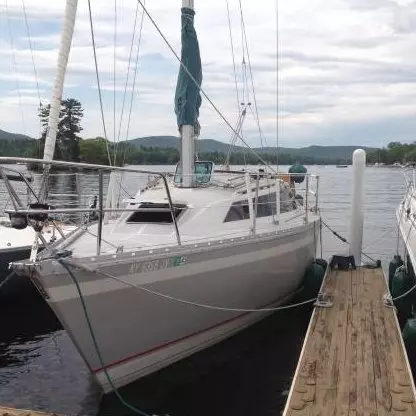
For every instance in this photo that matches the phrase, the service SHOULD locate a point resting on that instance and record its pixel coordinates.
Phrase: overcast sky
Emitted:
(347, 68)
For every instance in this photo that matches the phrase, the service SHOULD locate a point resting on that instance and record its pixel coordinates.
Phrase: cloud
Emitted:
(347, 71)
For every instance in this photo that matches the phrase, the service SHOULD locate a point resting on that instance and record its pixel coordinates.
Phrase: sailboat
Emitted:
(194, 258)
(405, 215)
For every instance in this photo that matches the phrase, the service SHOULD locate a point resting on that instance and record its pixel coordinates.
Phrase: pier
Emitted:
(353, 361)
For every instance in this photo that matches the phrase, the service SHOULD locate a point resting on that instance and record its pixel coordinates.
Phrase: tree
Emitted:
(69, 125)
(94, 151)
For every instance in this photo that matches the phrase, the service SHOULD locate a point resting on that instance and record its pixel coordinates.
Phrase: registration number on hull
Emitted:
(158, 264)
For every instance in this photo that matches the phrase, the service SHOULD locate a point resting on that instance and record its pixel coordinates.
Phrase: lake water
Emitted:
(249, 374)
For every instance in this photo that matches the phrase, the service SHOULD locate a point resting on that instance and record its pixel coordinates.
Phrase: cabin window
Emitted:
(159, 213)
(238, 211)
(266, 207)
(202, 172)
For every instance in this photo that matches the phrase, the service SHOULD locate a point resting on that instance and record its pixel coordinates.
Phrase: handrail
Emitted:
(27, 160)
(24, 179)
(255, 181)
(100, 168)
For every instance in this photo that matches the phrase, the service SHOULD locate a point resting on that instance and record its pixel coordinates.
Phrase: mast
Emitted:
(187, 97)
(64, 48)
(187, 136)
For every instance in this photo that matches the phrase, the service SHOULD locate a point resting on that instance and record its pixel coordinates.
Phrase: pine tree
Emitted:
(67, 139)
(69, 127)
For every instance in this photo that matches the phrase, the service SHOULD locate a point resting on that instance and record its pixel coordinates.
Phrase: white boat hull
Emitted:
(139, 332)
(406, 220)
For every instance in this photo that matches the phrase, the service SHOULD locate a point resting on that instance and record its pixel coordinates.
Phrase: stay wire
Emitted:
(134, 82)
(233, 56)
(98, 81)
(221, 115)
(262, 138)
(16, 71)
(128, 74)
(277, 89)
(29, 37)
(114, 83)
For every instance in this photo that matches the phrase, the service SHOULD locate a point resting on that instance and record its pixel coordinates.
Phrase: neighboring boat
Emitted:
(16, 244)
(193, 258)
(342, 166)
(396, 165)
(406, 216)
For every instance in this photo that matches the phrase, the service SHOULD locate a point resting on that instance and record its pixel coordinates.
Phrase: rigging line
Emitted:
(98, 81)
(29, 37)
(233, 55)
(244, 81)
(128, 74)
(90, 327)
(217, 110)
(31, 50)
(134, 80)
(16, 71)
(262, 138)
(84, 267)
(114, 81)
(243, 65)
(277, 88)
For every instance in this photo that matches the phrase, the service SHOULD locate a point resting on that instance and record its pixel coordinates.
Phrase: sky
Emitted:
(346, 68)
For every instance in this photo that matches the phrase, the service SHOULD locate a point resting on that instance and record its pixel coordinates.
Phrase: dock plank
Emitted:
(353, 361)
(8, 411)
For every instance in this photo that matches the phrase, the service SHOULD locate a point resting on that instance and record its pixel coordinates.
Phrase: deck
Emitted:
(353, 361)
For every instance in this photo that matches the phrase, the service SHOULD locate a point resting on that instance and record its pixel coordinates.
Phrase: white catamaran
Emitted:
(192, 259)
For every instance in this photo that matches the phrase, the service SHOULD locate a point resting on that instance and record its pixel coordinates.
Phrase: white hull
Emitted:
(407, 225)
(139, 332)
(141, 366)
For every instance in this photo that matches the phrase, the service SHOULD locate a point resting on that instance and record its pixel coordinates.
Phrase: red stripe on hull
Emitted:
(167, 344)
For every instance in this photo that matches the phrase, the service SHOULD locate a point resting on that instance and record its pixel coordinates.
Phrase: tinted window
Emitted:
(202, 170)
(266, 207)
(238, 211)
(155, 213)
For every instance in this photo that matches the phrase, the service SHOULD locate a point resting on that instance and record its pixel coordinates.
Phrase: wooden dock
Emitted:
(6, 411)
(353, 360)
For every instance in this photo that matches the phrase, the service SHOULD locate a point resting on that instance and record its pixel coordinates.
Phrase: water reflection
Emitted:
(29, 320)
(39, 366)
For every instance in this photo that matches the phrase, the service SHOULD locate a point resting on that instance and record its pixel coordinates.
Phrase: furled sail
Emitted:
(187, 96)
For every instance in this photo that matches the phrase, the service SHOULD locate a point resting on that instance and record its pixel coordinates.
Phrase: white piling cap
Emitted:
(358, 156)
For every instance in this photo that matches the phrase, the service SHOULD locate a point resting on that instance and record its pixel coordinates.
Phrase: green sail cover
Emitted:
(187, 96)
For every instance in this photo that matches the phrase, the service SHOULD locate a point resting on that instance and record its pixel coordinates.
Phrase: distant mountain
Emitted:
(205, 146)
(16, 145)
(19, 144)
(5, 135)
(210, 145)
(324, 152)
